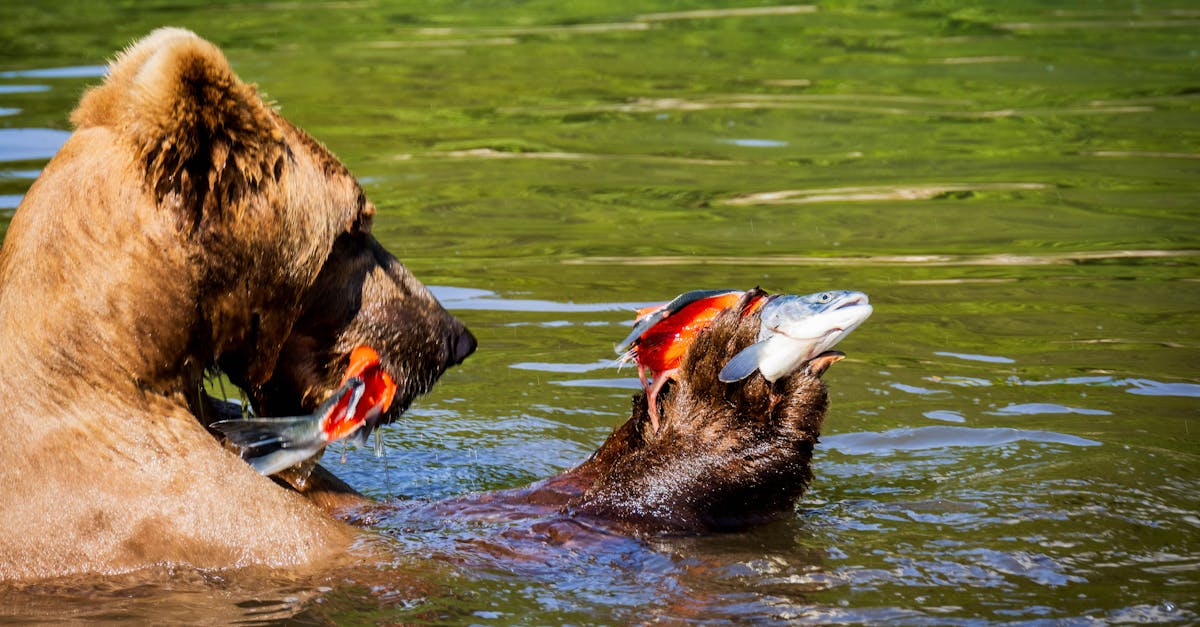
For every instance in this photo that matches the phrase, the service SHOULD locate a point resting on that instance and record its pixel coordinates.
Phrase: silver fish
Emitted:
(272, 445)
(794, 330)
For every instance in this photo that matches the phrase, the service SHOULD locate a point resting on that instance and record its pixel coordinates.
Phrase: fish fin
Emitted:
(273, 444)
(743, 364)
(281, 459)
(360, 435)
(256, 433)
(658, 315)
(687, 298)
(643, 324)
(287, 431)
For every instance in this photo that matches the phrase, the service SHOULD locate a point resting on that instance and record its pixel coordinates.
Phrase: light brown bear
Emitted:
(184, 226)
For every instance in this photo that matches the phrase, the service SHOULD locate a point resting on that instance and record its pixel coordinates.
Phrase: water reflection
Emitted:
(1029, 409)
(939, 437)
(991, 455)
(1065, 258)
(466, 299)
(571, 368)
(1146, 387)
(26, 144)
(22, 89)
(75, 71)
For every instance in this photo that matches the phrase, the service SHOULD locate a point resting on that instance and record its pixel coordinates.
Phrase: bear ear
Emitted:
(207, 143)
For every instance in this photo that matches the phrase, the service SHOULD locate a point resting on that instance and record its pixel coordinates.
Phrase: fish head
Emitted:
(814, 315)
(816, 322)
(796, 329)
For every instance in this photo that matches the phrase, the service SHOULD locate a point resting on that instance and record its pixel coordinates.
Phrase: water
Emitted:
(1013, 437)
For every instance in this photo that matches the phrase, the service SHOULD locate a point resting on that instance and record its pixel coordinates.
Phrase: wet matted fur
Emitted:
(184, 226)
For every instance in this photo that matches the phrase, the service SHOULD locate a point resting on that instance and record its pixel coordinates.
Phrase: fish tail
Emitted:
(273, 444)
(280, 460)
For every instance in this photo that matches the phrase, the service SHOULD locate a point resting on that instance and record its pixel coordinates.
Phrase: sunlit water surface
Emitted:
(1013, 438)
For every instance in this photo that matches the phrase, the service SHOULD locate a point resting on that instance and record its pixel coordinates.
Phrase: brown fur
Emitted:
(185, 225)
(725, 457)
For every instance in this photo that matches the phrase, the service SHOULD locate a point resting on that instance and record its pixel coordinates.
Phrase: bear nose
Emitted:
(462, 346)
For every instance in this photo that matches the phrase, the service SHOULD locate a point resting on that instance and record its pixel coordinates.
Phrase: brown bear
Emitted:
(185, 227)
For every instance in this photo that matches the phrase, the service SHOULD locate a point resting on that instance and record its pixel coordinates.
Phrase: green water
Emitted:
(1013, 437)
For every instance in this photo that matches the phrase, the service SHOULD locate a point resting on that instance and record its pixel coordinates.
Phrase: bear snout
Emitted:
(461, 346)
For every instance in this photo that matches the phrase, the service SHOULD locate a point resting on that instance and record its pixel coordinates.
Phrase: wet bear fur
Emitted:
(184, 227)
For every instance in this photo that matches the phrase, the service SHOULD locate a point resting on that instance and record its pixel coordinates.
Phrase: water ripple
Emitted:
(74, 71)
(10, 201)
(1098, 24)
(944, 415)
(463, 298)
(565, 368)
(991, 359)
(876, 193)
(622, 383)
(20, 174)
(842, 103)
(1139, 386)
(912, 389)
(444, 43)
(982, 568)
(22, 89)
(1032, 409)
(557, 155)
(933, 437)
(702, 14)
(23, 144)
(960, 381)
(755, 143)
(930, 260)
(1147, 387)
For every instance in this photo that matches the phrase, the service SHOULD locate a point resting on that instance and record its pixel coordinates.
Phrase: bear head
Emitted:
(271, 233)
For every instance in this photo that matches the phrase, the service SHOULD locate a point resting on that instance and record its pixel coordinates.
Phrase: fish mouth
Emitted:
(852, 313)
(856, 299)
(840, 316)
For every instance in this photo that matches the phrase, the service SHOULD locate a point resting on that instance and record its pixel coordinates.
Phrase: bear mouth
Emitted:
(279, 415)
(304, 379)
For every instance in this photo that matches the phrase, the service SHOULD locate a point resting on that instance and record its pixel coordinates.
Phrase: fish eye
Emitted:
(825, 297)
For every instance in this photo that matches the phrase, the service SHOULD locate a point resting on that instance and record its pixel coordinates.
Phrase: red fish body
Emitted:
(662, 333)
